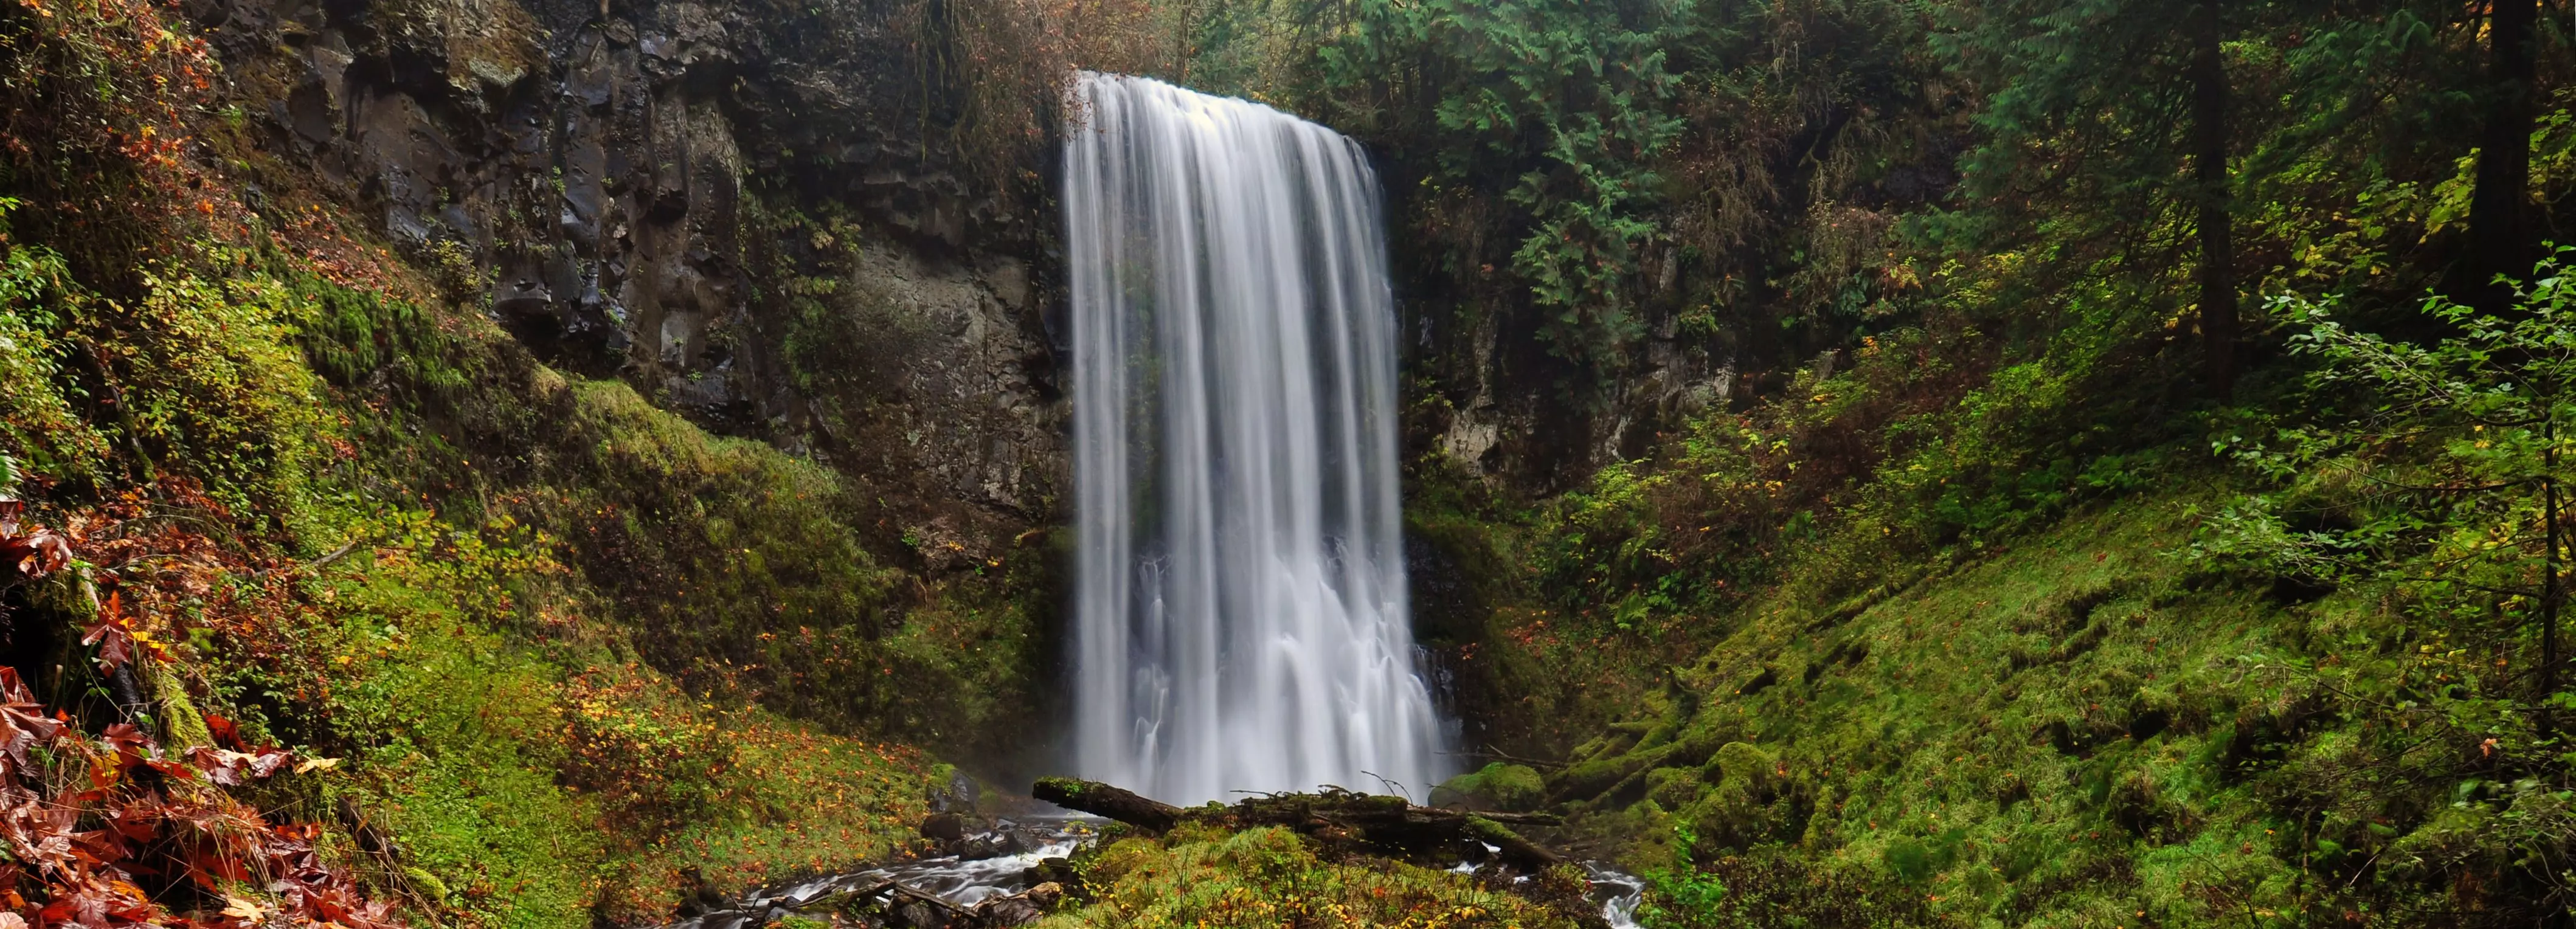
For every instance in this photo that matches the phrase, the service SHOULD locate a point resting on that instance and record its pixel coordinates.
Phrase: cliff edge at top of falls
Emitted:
(759, 215)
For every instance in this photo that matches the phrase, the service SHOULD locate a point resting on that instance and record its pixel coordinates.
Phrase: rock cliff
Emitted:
(752, 212)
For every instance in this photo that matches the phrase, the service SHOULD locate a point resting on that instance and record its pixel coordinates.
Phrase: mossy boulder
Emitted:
(1673, 788)
(1508, 787)
(1745, 764)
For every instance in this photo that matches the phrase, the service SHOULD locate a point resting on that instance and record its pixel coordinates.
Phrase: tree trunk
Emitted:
(2499, 224)
(2217, 239)
(2550, 588)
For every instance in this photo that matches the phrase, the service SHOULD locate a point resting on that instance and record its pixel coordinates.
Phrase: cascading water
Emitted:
(1240, 620)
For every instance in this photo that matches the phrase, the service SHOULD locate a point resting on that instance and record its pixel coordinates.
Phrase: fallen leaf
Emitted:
(236, 908)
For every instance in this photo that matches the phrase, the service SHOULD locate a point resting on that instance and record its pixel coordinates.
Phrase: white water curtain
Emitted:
(1240, 619)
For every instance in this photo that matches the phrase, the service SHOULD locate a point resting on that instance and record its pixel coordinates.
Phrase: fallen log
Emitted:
(1109, 801)
(1386, 824)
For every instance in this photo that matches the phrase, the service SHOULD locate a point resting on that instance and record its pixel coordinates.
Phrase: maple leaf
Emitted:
(36, 554)
(174, 770)
(13, 690)
(111, 634)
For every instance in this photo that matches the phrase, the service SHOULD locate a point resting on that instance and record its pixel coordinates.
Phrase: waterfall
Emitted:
(1239, 616)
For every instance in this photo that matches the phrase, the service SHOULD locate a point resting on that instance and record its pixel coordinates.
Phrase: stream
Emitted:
(1008, 861)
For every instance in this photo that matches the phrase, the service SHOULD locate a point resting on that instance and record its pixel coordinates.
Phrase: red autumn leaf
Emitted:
(126, 737)
(34, 553)
(114, 640)
(268, 760)
(226, 732)
(23, 722)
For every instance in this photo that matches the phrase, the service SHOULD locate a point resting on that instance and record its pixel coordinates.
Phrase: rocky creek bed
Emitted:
(1011, 871)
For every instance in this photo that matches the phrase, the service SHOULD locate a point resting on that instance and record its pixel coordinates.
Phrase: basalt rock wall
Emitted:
(750, 211)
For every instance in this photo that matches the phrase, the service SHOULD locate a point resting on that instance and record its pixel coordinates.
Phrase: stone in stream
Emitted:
(944, 828)
(986, 845)
(917, 915)
(1022, 908)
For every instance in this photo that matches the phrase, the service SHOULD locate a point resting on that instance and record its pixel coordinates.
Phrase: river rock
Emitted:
(986, 845)
(914, 914)
(1022, 908)
(944, 828)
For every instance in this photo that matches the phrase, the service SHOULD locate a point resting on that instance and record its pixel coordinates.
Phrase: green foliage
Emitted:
(454, 733)
(199, 376)
(2432, 474)
(206, 374)
(1554, 107)
(2448, 463)
(44, 430)
(1679, 894)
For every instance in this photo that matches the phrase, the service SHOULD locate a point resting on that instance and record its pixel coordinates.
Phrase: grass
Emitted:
(2054, 735)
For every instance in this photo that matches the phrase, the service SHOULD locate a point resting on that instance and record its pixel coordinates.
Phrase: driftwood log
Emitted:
(1387, 824)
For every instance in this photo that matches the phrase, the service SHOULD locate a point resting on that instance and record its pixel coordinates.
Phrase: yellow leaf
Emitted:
(239, 908)
(314, 763)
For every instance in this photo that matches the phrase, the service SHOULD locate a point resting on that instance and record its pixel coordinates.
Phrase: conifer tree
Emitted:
(2499, 232)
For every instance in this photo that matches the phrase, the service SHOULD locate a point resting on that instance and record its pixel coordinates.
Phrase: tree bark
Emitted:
(2550, 588)
(2218, 323)
(2499, 223)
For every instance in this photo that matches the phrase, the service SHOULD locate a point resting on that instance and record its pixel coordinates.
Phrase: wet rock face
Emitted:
(607, 179)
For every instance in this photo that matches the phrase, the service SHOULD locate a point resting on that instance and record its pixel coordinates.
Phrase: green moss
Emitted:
(1496, 786)
(463, 772)
(2051, 733)
(1198, 876)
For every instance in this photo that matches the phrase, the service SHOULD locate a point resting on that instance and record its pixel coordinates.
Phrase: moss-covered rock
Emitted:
(1673, 788)
(1197, 875)
(1497, 786)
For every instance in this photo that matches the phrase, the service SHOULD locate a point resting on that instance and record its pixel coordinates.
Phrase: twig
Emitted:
(336, 554)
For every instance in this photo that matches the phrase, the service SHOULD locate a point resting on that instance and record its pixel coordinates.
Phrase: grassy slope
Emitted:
(2081, 729)
(517, 752)
(517, 546)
